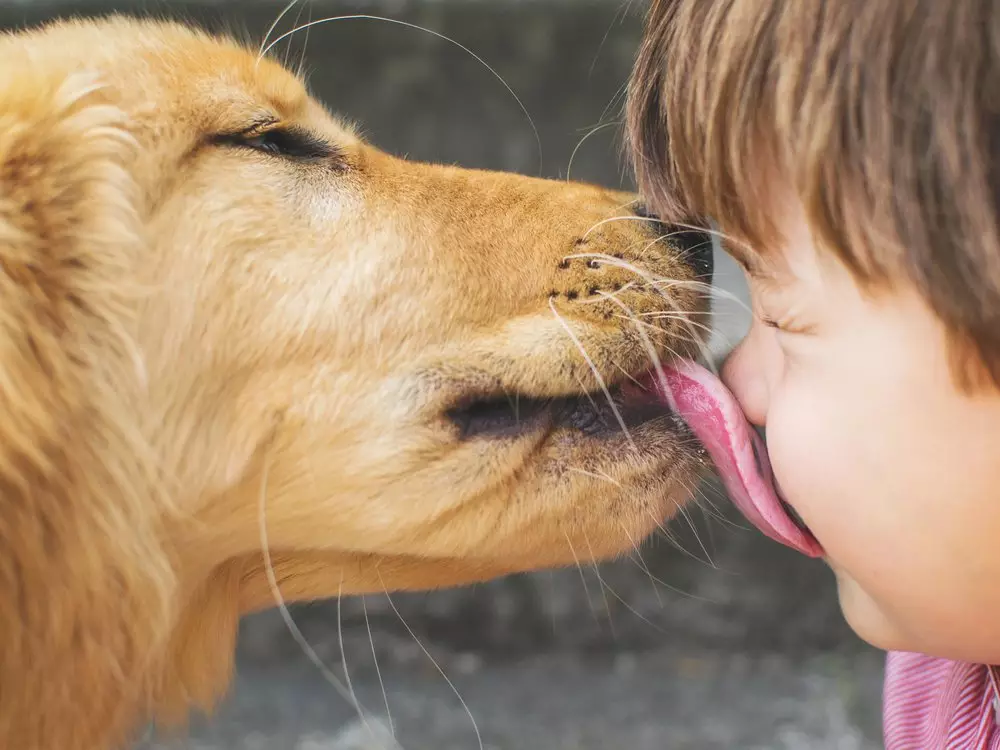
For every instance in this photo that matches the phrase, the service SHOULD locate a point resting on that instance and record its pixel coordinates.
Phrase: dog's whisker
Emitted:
(705, 502)
(673, 315)
(671, 335)
(614, 219)
(264, 42)
(604, 39)
(661, 333)
(702, 499)
(465, 706)
(396, 746)
(343, 658)
(286, 57)
(597, 375)
(659, 581)
(378, 669)
(286, 615)
(629, 285)
(650, 349)
(654, 358)
(417, 27)
(593, 131)
(708, 290)
(650, 278)
(604, 587)
(300, 69)
(628, 376)
(624, 603)
(637, 613)
(642, 562)
(596, 475)
(682, 509)
(648, 326)
(669, 535)
(719, 235)
(614, 98)
(552, 598)
(586, 394)
(709, 509)
(583, 578)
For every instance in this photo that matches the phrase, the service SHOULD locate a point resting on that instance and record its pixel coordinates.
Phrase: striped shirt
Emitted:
(936, 704)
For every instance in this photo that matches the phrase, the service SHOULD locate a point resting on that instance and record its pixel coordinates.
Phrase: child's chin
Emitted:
(865, 616)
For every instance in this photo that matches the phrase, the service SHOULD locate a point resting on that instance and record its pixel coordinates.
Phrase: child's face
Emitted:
(895, 471)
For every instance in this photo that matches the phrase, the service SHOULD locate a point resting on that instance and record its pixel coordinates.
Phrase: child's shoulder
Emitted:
(930, 702)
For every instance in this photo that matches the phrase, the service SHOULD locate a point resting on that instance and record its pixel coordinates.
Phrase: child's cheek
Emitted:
(812, 454)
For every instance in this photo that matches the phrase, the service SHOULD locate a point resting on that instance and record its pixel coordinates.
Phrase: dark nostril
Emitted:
(655, 224)
(642, 211)
(695, 244)
(698, 250)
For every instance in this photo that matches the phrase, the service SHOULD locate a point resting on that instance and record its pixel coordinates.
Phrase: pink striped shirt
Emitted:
(936, 704)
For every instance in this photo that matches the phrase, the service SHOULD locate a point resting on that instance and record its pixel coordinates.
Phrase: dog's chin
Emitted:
(605, 468)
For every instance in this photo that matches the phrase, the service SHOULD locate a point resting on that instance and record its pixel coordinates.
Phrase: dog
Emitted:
(244, 354)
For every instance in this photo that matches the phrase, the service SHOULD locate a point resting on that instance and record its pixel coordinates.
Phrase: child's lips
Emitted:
(794, 515)
(740, 455)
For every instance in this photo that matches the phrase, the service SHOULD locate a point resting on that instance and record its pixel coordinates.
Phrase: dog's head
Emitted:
(233, 325)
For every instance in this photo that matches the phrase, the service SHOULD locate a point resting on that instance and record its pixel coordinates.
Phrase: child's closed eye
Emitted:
(785, 324)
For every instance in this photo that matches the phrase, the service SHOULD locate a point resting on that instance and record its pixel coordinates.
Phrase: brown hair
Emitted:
(883, 116)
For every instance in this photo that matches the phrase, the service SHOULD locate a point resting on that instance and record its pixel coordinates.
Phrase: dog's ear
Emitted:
(85, 584)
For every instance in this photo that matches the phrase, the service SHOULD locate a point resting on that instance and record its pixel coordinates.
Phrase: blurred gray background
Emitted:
(716, 638)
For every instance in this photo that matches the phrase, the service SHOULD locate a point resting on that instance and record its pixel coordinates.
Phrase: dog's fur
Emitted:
(202, 342)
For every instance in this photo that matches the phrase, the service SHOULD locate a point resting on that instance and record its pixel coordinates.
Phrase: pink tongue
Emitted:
(739, 454)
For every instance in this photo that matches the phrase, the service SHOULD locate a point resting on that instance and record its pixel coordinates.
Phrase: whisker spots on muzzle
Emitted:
(651, 352)
(674, 314)
(597, 375)
(596, 297)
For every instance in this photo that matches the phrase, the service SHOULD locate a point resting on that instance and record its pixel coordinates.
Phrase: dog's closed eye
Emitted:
(287, 142)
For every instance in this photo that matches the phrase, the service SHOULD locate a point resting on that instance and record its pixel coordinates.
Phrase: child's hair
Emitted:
(883, 117)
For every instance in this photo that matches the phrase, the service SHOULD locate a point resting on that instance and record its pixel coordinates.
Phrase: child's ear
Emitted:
(85, 585)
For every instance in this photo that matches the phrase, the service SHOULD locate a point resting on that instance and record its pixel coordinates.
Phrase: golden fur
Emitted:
(203, 341)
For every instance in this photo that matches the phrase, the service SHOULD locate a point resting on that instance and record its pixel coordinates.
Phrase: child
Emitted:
(849, 152)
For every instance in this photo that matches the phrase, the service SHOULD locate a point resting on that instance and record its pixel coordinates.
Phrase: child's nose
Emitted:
(748, 382)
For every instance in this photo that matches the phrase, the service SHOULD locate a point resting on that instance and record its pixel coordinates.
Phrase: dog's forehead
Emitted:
(223, 81)
(211, 83)
(218, 86)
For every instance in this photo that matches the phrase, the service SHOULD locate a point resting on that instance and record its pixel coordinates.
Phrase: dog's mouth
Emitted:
(601, 413)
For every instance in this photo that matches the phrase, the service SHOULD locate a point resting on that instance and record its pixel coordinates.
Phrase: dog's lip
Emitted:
(629, 402)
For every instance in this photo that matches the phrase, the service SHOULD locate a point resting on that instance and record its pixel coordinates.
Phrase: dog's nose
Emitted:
(696, 244)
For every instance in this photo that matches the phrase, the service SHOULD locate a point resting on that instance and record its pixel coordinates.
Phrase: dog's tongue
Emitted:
(740, 456)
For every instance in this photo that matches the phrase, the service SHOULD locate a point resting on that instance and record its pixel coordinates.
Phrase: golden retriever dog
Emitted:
(245, 354)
